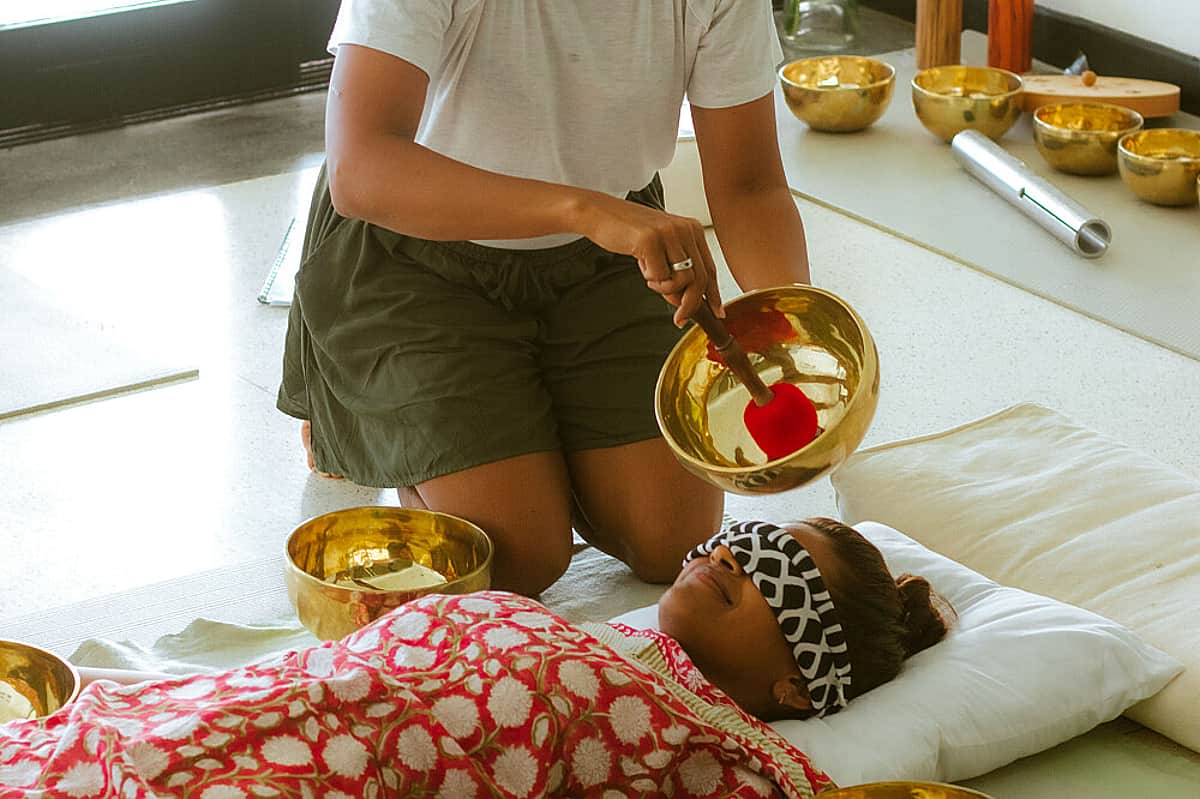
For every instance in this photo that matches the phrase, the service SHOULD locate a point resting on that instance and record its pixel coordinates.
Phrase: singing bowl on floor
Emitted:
(903, 790)
(1161, 166)
(798, 334)
(1081, 138)
(33, 682)
(837, 93)
(337, 562)
(952, 99)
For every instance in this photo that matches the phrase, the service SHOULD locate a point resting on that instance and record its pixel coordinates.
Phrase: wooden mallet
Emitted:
(780, 418)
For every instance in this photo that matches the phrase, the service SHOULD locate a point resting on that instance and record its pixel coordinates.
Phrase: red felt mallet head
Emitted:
(785, 424)
(781, 419)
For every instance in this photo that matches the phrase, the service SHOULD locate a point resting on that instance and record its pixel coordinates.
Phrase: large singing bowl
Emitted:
(798, 334)
(903, 790)
(837, 93)
(33, 682)
(951, 99)
(349, 567)
(1162, 165)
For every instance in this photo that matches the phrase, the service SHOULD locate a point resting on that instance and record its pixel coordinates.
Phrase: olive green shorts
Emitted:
(415, 359)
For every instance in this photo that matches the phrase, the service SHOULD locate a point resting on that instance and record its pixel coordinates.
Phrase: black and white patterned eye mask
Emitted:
(788, 579)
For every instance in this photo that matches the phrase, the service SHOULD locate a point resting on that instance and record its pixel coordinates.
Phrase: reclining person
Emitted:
(491, 694)
(847, 624)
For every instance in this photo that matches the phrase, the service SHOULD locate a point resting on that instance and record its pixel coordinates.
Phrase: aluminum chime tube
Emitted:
(1037, 198)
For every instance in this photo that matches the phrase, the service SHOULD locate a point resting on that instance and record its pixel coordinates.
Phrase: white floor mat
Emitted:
(899, 177)
(50, 357)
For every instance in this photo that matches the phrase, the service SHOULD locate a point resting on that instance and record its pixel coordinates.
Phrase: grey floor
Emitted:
(191, 152)
(161, 233)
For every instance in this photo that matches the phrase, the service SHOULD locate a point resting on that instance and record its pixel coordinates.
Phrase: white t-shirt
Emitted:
(578, 92)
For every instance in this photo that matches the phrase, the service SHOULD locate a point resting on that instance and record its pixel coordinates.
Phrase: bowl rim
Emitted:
(734, 471)
(1132, 156)
(77, 679)
(891, 76)
(990, 98)
(293, 567)
(1040, 124)
(911, 784)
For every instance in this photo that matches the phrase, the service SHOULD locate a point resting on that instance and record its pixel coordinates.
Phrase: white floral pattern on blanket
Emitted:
(480, 695)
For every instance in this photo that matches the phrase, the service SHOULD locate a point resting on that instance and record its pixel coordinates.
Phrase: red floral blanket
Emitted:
(480, 695)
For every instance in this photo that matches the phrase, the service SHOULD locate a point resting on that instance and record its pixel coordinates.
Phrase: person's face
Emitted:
(718, 616)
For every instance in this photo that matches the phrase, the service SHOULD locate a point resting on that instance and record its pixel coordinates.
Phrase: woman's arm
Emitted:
(379, 174)
(752, 208)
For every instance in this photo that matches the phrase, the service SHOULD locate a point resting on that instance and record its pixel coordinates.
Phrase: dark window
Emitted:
(96, 63)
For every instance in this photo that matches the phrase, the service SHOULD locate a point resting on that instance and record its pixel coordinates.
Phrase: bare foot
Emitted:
(306, 437)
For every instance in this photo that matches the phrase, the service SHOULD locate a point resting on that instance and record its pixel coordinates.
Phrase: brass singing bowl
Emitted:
(903, 790)
(837, 93)
(1081, 138)
(34, 682)
(1161, 166)
(829, 354)
(952, 99)
(335, 563)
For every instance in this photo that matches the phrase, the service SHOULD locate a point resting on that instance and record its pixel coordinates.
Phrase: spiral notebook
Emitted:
(281, 278)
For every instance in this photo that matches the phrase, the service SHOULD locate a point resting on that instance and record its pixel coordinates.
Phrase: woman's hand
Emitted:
(657, 240)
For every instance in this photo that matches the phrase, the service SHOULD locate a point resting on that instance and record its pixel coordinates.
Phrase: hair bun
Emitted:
(927, 614)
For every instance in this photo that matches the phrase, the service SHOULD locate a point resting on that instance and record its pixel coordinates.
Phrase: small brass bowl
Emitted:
(34, 682)
(954, 98)
(903, 790)
(349, 567)
(1161, 165)
(1081, 138)
(798, 334)
(837, 93)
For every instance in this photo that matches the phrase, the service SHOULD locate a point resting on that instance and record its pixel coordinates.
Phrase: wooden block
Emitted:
(1150, 98)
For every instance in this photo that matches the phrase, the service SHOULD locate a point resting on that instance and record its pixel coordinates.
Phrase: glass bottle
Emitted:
(818, 25)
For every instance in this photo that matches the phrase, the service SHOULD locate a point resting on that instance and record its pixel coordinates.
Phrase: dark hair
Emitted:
(885, 619)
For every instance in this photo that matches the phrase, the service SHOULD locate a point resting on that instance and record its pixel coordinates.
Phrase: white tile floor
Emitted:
(104, 497)
(110, 496)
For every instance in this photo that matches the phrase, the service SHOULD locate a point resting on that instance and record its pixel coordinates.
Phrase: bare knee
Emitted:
(524, 504)
(527, 557)
(531, 564)
(644, 507)
(654, 567)
(655, 553)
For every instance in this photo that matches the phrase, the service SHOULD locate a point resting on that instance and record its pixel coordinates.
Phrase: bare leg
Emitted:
(306, 438)
(643, 507)
(524, 504)
(410, 498)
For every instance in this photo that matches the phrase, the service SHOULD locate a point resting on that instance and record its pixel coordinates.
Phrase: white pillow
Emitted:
(1019, 673)
(1033, 500)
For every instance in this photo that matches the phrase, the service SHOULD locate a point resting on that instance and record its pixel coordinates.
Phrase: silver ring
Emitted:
(682, 266)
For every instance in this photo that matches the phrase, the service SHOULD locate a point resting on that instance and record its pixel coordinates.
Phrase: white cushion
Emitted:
(1033, 500)
(1019, 673)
